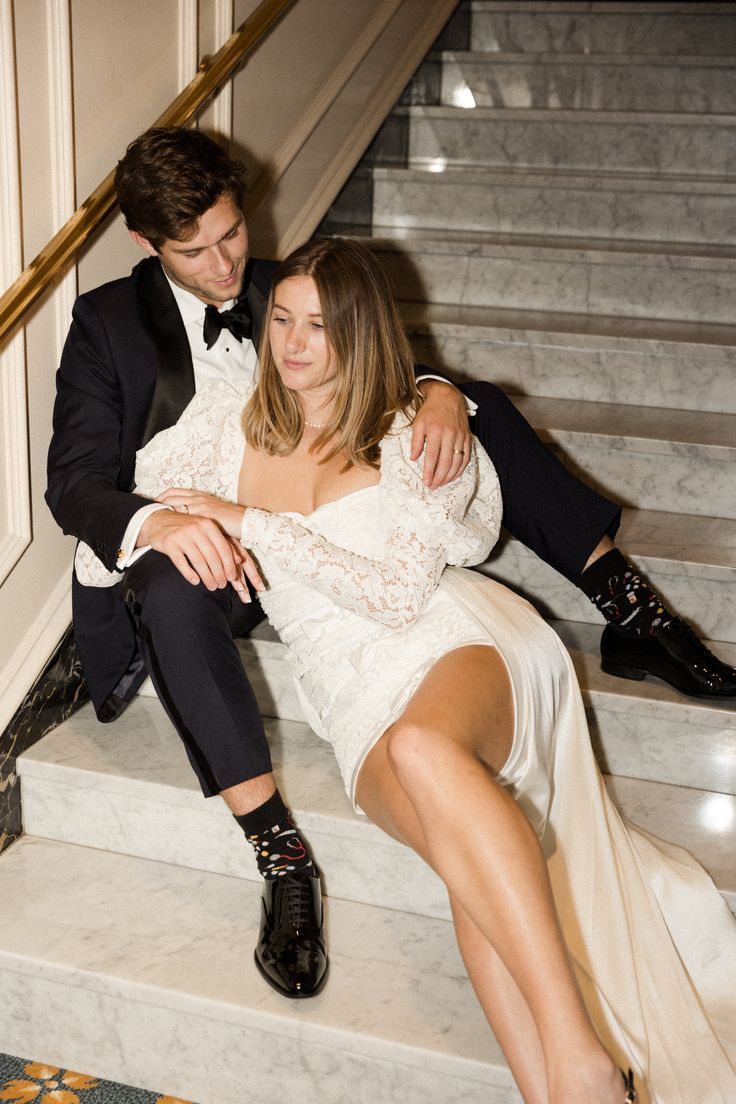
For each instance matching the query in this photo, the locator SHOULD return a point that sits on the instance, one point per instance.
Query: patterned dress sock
(279, 846)
(626, 601)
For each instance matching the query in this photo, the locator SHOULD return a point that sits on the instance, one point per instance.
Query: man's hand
(197, 546)
(442, 426)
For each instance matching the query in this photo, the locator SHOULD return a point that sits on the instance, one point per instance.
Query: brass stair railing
(213, 72)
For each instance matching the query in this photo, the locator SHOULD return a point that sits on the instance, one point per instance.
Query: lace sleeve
(201, 450)
(458, 524)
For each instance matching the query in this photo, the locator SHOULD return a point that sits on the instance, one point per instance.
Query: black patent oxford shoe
(291, 952)
(674, 654)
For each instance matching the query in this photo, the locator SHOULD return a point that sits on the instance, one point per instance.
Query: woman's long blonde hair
(374, 362)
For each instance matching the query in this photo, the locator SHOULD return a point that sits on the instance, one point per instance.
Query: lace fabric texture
(456, 524)
(424, 530)
(203, 450)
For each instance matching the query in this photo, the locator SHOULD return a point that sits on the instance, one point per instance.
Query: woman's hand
(228, 515)
(441, 428)
(229, 519)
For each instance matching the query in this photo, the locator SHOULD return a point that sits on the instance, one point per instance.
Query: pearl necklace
(315, 425)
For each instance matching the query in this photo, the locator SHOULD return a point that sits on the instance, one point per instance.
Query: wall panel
(15, 505)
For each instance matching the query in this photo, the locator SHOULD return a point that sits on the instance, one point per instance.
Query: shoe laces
(297, 902)
(712, 662)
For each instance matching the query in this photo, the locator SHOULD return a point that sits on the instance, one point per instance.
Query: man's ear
(144, 243)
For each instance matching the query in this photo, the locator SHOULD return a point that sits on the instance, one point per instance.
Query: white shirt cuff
(127, 554)
(472, 407)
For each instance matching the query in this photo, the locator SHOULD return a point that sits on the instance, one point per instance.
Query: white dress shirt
(228, 359)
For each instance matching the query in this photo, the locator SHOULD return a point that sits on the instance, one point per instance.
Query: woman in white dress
(452, 707)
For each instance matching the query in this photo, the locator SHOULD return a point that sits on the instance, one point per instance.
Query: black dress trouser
(544, 506)
(186, 633)
(187, 637)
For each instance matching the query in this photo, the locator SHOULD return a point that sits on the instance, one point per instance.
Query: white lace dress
(360, 594)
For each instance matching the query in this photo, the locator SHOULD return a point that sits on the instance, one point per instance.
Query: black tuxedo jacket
(126, 372)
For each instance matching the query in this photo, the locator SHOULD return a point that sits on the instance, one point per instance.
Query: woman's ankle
(591, 1077)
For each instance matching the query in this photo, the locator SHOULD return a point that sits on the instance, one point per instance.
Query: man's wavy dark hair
(169, 177)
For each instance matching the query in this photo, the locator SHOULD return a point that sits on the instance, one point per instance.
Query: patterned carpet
(24, 1082)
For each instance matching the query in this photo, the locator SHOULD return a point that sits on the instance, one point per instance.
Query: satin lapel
(175, 376)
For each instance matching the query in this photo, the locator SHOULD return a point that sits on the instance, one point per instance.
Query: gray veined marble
(615, 206)
(181, 1001)
(699, 591)
(677, 461)
(571, 140)
(580, 357)
(619, 28)
(588, 82)
(560, 276)
(126, 795)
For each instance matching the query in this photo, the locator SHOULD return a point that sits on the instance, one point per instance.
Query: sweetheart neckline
(324, 505)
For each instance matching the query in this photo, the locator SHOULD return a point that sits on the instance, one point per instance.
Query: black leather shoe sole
(637, 675)
(622, 672)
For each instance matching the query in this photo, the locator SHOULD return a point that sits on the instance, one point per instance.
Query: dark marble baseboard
(58, 691)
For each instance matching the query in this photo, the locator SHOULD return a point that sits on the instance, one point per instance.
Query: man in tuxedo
(137, 350)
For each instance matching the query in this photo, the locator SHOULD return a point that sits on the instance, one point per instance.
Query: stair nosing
(548, 115)
(418, 318)
(624, 60)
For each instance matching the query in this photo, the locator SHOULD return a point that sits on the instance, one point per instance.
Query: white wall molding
(188, 23)
(63, 176)
(15, 511)
(223, 101)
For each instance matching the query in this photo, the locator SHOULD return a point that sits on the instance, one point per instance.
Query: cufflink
(120, 554)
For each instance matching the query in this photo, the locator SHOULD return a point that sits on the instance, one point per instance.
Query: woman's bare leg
(505, 1007)
(382, 798)
(428, 782)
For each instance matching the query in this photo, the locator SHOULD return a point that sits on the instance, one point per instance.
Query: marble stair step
(564, 275)
(614, 206)
(650, 143)
(692, 565)
(626, 28)
(594, 82)
(596, 359)
(144, 972)
(128, 788)
(676, 461)
(648, 732)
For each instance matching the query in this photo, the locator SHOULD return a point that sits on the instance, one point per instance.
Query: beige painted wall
(86, 76)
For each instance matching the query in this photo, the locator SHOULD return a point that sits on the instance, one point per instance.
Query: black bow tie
(238, 320)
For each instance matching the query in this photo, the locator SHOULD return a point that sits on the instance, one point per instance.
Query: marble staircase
(583, 208)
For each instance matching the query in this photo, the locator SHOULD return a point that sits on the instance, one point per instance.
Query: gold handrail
(213, 72)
